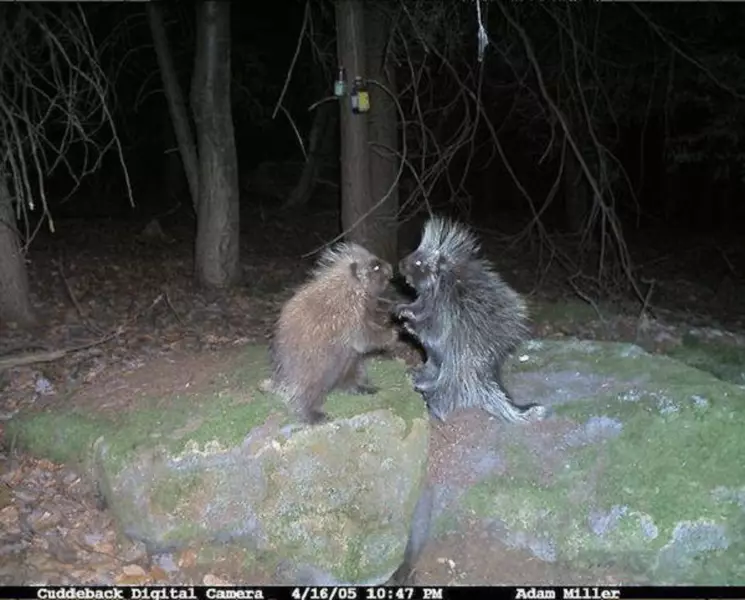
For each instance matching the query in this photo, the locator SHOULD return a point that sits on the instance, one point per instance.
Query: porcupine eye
(417, 270)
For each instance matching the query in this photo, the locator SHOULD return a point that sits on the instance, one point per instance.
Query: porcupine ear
(354, 268)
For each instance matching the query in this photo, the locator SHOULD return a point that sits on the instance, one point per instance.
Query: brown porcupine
(468, 321)
(327, 328)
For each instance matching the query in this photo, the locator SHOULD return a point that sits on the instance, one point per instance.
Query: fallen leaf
(134, 570)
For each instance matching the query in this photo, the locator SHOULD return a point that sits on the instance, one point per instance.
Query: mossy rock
(640, 467)
(721, 358)
(230, 463)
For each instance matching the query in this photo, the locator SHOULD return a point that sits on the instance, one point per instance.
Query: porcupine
(327, 328)
(468, 321)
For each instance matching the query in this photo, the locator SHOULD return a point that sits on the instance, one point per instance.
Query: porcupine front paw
(409, 329)
(422, 380)
(422, 383)
(362, 389)
(403, 312)
(315, 417)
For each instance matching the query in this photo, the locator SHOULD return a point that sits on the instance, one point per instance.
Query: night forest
(171, 173)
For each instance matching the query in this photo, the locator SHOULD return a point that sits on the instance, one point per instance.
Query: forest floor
(130, 297)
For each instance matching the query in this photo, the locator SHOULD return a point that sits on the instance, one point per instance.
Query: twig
(647, 297)
(74, 300)
(56, 99)
(727, 261)
(642, 318)
(295, 130)
(173, 309)
(38, 357)
(393, 185)
(658, 30)
(587, 299)
(306, 18)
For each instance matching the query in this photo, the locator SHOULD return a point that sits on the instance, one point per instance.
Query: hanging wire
(483, 37)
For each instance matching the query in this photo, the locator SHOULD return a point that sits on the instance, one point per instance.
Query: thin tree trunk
(319, 130)
(15, 297)
(176, 102)
(355, 162)
(216, 256)
(383, 132)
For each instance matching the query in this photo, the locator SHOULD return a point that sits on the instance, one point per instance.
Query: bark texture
(217, 245)
(15, 296)
(356, 199)
(176, 102)
(383, 135)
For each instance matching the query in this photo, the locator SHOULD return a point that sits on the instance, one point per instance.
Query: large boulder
(639, 468)
(227, 463)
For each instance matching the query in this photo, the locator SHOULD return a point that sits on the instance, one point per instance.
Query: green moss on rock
(657, 448)
(220, 462)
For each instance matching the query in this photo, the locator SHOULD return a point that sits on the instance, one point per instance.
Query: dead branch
(306, 20)
(56, 100)
(52, 355)
(582, 295)
(446, 121)
(74, 300)
(678, 50)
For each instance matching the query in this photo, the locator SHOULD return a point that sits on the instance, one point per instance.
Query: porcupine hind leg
(374, 338)
(498, 401)
(532, 412)
(432, 384)
(356, 380)
(435, 406)
(424, 375)
(425, 378)
(308, 403)
(511, 413)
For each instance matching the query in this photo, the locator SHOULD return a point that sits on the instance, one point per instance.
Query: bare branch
(306, 19)
(57, 101)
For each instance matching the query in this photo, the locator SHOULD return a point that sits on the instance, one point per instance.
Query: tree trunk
(175, 98)
(216, 256)
(15, 297)
(383, 132)
(356, 200)
(319, 130)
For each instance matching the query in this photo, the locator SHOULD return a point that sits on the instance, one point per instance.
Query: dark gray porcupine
(327, 328)
(468, 321)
